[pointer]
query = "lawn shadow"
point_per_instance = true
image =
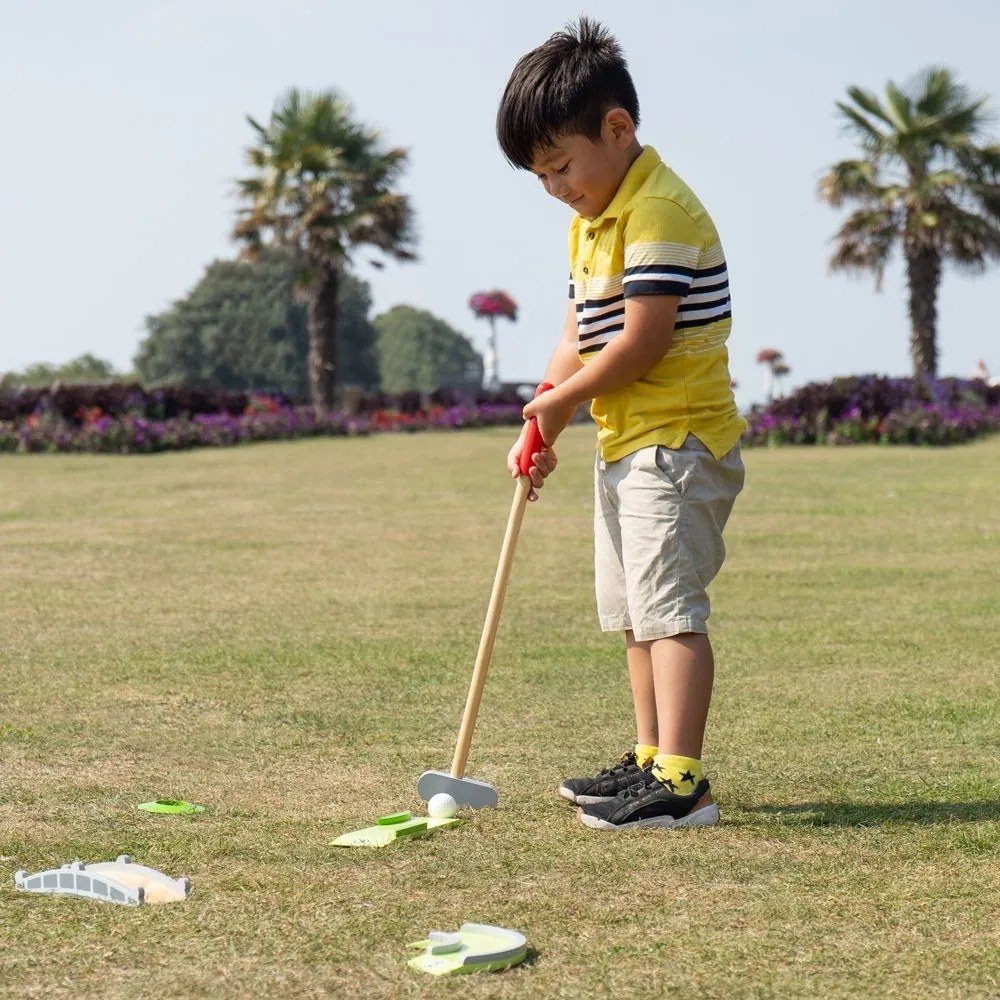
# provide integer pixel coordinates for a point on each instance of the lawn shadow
(530, 956)
(879, 814)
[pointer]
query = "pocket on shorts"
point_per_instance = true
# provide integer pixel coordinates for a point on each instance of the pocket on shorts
(673, 466)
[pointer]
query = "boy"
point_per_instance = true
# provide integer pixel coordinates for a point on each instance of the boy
(645, 342)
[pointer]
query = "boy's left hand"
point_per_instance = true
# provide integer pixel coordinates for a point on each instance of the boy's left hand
(552, 416)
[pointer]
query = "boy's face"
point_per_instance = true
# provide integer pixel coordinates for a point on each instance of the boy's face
(586, 173)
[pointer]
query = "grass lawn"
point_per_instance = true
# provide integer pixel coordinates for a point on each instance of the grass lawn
(286, 632)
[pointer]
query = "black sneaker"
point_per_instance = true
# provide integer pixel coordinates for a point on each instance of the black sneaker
(604, 786)
(651, 803)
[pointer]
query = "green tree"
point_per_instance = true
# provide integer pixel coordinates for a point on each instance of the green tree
(322, 185)
(241, 327)
(417, 350)
(359, 364)
(928, 182)
(84, 370)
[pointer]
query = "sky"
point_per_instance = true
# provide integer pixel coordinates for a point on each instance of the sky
(125, 131)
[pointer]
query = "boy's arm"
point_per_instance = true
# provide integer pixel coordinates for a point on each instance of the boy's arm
(648, 332)
(564, 363)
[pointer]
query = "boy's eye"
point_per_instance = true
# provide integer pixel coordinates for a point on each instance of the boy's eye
(563, 168)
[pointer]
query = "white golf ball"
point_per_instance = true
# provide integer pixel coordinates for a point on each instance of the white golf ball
(442, 806)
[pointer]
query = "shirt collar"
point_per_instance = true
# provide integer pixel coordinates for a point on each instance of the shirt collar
(643, 165)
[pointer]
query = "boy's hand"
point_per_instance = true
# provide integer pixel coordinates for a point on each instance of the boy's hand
(545, 462)
(551, 415)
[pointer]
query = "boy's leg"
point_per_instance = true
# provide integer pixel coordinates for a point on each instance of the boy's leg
(613, 612)
(615, 779)
(683, 674)
(683, 670)
(612, 603)
(671, 691)
(640, 672)
(672, 683)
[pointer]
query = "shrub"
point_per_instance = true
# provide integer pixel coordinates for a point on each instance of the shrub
(875, 409)
(125, 420)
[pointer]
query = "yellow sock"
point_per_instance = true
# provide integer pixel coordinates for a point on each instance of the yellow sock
(680, 774)
(644, 754)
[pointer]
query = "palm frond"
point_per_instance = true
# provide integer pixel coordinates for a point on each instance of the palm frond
(869, 103)
(959, 122)
(256, 126)
(936, 92)
(871, 138)
(864, 243)
(985, 198)
(934, 186)
(967, 238)
(980, 164)
(933, 88)
(898, 108)
(850, 180)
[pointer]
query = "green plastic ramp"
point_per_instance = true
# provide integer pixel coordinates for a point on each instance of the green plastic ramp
(396, 826)
(473, 948)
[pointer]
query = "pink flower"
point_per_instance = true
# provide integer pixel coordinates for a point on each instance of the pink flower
(768, 355)
(494, 303)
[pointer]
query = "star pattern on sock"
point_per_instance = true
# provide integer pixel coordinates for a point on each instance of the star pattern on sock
(674, 773)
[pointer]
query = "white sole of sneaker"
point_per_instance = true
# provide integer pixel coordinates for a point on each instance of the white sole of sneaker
(706, 816)
(583, 800)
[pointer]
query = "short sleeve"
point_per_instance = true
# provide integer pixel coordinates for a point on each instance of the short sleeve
(663, 247)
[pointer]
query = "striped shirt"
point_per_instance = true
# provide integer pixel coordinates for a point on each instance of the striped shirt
(655, 238)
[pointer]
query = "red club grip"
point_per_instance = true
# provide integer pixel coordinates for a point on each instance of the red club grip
(533, 442)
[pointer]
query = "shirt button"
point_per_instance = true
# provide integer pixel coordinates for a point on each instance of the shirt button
(591, 235)
(586, 270)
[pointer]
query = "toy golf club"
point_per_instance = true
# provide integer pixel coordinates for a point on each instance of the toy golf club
(469, 791)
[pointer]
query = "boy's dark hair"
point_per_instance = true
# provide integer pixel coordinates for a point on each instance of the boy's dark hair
(563, 87)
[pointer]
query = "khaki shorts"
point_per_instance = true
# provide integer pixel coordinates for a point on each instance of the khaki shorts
(658, 520)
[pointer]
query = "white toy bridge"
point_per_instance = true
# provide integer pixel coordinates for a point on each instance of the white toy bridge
(120, 881)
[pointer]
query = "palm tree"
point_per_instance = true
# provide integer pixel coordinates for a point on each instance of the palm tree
(927, 182)
(323, 186)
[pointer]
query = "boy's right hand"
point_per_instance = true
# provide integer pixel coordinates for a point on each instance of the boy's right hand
(544, 463)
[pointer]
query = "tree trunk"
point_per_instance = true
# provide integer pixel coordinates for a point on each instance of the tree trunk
(321, 318)
(923, 275)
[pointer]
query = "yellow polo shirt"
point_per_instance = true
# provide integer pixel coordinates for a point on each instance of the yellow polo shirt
(655, 238)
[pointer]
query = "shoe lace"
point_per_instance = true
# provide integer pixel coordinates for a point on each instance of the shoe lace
(641, 783)
(628, 760)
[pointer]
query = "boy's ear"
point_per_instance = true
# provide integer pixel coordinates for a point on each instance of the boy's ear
(620, 127)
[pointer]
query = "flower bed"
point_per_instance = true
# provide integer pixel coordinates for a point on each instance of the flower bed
(126, 420)
(110, 421)
(877, 410)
